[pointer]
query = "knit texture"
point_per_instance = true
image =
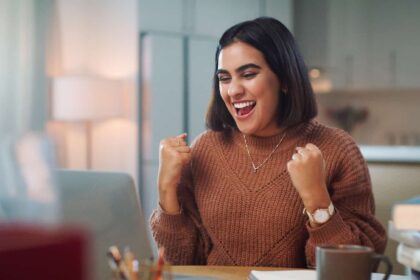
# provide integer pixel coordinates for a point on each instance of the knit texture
(233, 216)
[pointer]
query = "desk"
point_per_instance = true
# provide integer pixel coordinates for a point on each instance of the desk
(241, 272)
(220, 272)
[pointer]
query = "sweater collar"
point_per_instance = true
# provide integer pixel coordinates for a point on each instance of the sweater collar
(264, 145)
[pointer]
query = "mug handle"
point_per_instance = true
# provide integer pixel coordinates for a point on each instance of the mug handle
(387, 262)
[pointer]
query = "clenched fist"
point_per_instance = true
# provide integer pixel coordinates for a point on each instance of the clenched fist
(307, 172)
(174, 154)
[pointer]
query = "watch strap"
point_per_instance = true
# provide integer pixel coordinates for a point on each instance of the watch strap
(330, 210)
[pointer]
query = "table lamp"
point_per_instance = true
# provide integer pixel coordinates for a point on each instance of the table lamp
(86, 99)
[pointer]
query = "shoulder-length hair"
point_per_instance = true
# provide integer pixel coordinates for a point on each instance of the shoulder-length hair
(296, 102)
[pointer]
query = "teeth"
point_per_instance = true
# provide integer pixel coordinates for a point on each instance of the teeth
(243, 104)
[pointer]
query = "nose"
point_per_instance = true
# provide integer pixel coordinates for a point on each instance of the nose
(235, 88)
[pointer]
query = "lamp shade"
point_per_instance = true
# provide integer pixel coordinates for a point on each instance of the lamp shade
(81, 98)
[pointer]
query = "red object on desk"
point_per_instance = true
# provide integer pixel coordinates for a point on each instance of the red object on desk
(34, 252)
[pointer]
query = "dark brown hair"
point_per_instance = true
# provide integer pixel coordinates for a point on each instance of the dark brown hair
(268, 35)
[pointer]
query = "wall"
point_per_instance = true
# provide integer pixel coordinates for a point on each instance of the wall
(99, 38)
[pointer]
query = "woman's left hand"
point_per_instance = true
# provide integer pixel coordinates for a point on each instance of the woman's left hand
(307, 172)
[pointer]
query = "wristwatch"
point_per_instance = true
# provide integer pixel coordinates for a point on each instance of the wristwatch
(321, 215)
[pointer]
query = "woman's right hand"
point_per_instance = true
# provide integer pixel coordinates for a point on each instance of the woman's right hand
(174, 154)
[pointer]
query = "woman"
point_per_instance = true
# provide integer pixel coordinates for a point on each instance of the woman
(236, 197)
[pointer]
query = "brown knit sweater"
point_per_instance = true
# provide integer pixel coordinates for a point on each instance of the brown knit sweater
(233, 216)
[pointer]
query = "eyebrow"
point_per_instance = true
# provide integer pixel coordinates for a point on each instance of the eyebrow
(240, 68)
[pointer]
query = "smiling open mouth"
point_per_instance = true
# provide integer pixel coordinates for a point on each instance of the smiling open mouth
(244, 108)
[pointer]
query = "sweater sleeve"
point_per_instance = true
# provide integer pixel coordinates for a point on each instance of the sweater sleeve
(351, 193)
(182, 235)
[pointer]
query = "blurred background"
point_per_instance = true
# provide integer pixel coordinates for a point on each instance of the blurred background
(106, 80)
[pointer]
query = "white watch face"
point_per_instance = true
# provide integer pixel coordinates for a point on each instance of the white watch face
(321, 216)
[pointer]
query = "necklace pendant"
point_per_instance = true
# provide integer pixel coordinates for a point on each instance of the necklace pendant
(255, 168)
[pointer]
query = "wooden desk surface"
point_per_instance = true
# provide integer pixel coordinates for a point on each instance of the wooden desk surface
(219, 272)
(235, 272)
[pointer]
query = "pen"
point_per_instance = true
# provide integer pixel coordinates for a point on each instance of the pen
(113, 264)
(128, 260)
(135, 270)
(146, 269)
(115, 255)
(160, 263)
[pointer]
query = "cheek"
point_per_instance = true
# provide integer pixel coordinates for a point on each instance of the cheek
(223, 92)
(271, 91)
(274, 104)
(270, 101)
(260, 88)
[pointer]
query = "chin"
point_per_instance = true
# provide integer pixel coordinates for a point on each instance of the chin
(246, 130)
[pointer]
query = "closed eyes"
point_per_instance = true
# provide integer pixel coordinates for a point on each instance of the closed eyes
(249, 75)
(247, 71)
(224, 78)
(246, 75)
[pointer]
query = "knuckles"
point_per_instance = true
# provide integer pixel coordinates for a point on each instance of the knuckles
(314, 155)
(170, 154)
(311, 155)
(309, 158)
(163, 144)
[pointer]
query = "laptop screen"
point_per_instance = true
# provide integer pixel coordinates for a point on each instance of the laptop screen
(107, 204)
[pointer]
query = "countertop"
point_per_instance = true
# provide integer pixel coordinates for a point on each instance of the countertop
(391, 154)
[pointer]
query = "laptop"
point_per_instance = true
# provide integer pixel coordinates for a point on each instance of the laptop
(107, 204)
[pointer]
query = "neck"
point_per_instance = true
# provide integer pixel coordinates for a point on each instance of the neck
(272, 133)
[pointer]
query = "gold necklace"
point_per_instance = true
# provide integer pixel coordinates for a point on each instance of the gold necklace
(254, 166)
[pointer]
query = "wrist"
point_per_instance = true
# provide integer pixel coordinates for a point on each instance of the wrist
(170, 210)
(168, 200)
(318, 198)
(170, 206)
(165, 185)
(167, 189)
(313, 205)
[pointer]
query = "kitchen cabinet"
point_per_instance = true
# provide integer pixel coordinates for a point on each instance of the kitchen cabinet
(161, 15)
(200, 82)
(348, 62)
(362, 45)
(162, 91)
(280, 9)
(214, 17)
(407, 41)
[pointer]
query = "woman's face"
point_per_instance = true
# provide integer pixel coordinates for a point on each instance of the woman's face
(249, 89)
